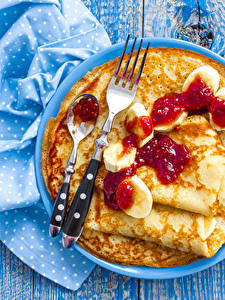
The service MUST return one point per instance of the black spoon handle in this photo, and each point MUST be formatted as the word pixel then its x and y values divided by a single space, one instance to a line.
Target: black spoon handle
pixel 75 219
pixel 59 210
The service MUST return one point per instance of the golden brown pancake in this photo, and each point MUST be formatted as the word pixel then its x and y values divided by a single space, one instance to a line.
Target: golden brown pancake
pixel 165 71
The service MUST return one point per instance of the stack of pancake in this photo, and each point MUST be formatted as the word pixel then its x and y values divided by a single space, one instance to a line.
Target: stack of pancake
pixel 187 219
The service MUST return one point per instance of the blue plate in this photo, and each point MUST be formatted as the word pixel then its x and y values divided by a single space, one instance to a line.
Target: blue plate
pixel 52 110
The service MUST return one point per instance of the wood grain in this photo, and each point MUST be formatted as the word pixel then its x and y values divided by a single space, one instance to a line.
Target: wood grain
pixel 118 17
pixel 199 21
pixel 15 277
pixel 208 284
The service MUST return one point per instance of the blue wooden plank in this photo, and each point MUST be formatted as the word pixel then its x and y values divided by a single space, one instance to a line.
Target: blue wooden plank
pixel 201 22
pixel 118 17
pixel 209 284
pixel 101 284
pixel 212 14
pixel 15 277
pixel 46 289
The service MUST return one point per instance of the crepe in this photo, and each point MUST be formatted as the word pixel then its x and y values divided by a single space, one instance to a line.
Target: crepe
pixel 165 71
pixel 197 187
pixel 129 251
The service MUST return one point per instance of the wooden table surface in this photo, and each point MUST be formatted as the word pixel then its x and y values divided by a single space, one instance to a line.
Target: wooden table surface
pixel 200 21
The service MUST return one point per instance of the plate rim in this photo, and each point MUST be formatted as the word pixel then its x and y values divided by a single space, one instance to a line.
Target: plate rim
pixel 142 272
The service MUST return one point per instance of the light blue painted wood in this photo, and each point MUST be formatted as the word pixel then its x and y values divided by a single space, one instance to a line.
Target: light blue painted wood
pixel 201 21
pixel 101 284
pixel 209 284
pixel 118 17
pixel 15 277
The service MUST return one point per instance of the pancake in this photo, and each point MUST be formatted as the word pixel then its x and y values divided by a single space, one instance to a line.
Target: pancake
pixel 165 71
pixel 127 251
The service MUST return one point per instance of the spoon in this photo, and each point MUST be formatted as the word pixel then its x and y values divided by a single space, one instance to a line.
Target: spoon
pixel 81 119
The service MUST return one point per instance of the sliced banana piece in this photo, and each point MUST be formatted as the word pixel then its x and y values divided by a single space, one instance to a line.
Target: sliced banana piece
pixel 208 75
pixel 141 143
pixel 116 157
pixel 136 111
pixel 142 198
pixel 220 94
pixel 169 127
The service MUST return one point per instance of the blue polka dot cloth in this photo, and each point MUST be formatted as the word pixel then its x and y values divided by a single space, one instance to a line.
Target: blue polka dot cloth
pixel 41 41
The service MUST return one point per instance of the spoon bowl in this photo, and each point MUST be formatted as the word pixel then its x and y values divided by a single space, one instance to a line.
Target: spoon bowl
pixel 80 127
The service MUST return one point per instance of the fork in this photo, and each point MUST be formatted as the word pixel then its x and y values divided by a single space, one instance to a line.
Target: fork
pixel 119 96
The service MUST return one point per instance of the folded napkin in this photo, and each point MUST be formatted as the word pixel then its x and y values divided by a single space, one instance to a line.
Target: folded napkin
pixel 41 42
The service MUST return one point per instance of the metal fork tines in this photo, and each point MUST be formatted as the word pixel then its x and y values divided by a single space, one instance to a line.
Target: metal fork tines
pixel 119 96
pixel 121 92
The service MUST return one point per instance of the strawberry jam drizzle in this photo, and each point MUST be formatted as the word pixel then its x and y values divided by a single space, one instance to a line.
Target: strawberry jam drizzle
pixel 145 122
pixel 124 195
pixel 168 108
pixel 130 141
pixel 111 183
pixel 217 109
pixel 161 153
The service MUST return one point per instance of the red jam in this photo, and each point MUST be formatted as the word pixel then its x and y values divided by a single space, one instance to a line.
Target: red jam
pixel 166 109
pixel 217 109
pixel 165 156
pixel 124 195
pixel 144 122
pixel 197 96
pixel 111 183
pixel 161 153
pixel 86 109
pixel 130 141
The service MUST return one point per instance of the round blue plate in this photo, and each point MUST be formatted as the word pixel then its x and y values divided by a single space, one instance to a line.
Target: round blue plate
pixel 52 110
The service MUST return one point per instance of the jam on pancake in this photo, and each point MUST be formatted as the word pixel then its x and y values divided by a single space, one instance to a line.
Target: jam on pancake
pixel 168 108
pixel 217 110
pixel 161 153
pixel 86 109
pixel 145 122
pixel 130 141
pixel 124 195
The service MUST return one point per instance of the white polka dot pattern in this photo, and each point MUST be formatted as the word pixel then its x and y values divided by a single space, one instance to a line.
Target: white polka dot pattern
pixel 40 45
pixel 36 231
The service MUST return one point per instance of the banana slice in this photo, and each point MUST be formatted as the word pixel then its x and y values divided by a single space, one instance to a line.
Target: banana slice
pixel 141 197
pixel 207 74
pixel 220 94
pixel 170 127
pixel 134 125
pixel 116 157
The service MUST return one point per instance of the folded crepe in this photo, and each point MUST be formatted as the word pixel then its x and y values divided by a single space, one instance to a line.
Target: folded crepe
pixel 130 251
pixel 197 187
pixel 173 224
